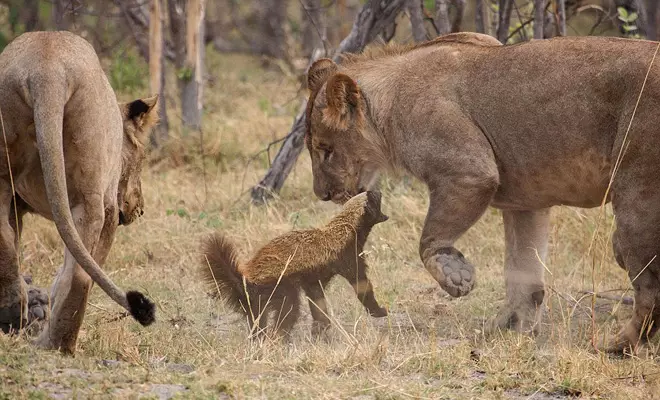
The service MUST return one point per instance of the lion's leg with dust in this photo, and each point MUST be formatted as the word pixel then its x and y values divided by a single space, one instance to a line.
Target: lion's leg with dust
pixel 72 287
pixel 456 204
pixel 526 238
pixel 13 290
pixel 317 306
pixel 365 290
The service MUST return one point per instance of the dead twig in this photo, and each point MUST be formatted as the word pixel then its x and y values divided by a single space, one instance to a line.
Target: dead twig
pixel 629 301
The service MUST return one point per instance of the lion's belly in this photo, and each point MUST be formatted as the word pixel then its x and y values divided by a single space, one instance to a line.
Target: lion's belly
pixel 580 182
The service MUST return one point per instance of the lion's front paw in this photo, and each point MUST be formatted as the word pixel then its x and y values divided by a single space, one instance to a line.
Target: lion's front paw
pixel 379 312
pixel 626 342
pixel 452 271
pixel 524 317
pixel 13 306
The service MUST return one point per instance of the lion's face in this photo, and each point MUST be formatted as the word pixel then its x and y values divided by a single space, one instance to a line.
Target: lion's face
pixel 341 164
pixel 140 116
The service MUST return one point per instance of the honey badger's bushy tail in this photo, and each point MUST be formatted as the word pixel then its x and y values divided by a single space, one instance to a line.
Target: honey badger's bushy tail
pixel 220 271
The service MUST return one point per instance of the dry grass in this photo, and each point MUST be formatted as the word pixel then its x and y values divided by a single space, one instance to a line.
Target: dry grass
pixel 431 345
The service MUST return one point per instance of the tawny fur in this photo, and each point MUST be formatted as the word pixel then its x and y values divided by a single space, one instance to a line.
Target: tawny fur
pixel 268 285
pixel 76 157
pixel 504 126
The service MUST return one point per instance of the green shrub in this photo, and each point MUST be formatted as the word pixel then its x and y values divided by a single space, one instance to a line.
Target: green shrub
pixel 128 71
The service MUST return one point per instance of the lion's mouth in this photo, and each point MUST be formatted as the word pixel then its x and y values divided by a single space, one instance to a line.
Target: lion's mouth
pixel 343 197
pixel 122 218
pixel 340 198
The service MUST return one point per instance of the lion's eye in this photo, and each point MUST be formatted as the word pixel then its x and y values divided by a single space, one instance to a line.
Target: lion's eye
pixel 327 152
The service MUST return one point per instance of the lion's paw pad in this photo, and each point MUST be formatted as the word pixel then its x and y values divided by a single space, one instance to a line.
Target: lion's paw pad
pixel 455 274
pixel 37 304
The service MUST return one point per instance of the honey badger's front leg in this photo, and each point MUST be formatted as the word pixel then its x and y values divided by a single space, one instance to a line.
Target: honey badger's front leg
pixel 317 305
pixel 364 290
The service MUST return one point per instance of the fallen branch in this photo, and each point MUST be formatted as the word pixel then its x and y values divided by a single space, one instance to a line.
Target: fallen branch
pixel 629 301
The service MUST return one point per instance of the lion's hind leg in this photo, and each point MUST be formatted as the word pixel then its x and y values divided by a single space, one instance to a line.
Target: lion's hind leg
pixel 318 306
pixel 13 289
pixel 71 289
pixel 636 243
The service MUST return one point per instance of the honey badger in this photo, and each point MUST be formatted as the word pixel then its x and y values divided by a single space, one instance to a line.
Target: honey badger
pixel 299 260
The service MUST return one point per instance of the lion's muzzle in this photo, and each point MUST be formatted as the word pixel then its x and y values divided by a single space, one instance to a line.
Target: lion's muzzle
pixel 125 219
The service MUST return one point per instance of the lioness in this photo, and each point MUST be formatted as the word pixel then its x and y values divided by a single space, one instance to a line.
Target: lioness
pixel 75 157
pixel 521 128
pixel 298 260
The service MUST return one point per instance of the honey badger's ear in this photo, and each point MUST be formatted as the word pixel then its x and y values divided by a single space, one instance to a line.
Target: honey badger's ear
pixel 319 72
pixel 343 98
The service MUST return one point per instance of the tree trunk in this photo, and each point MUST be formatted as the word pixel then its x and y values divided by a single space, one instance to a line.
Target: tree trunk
pixel 192 75
pixel 442 17
pixel 157 69
pixel 370 21
pixel 562 16
pixel 480 26
pixel 60 17
pixel 539 15
pixel 648 14
pixel 177 14
pixel 416 19
pixel 29 12
pixel 504 19
pixel 460 13
pixel 314 32
pixel 272 17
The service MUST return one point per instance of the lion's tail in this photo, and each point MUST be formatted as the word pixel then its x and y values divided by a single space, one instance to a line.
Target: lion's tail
pixel 220 270
pixel 49 93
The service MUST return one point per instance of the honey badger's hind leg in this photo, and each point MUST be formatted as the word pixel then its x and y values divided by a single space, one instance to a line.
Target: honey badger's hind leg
pixel 317 306
pixel 286 311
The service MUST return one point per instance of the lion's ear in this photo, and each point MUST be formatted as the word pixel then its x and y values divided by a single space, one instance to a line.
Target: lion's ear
pixel 343 98
pixel 319 72
pixel 143 113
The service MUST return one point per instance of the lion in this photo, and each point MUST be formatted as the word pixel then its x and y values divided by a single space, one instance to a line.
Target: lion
pixel 74 156
pixel 482 125
pixel 304 260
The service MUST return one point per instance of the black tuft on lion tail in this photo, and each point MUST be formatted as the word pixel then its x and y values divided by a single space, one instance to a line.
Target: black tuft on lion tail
pixel 220 271
pixel 141 308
